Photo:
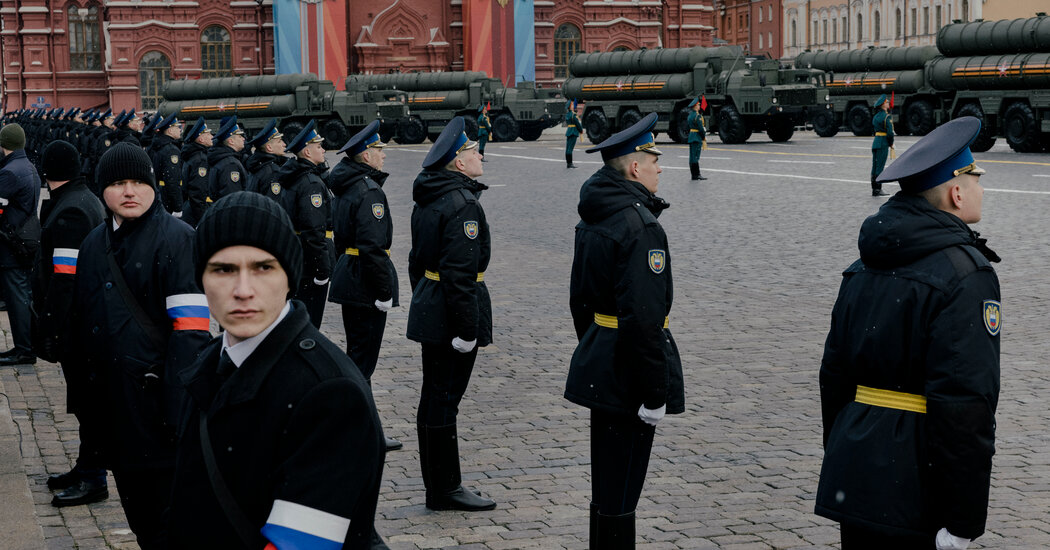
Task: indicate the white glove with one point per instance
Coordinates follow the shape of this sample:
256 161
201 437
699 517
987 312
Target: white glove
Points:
177 214
948 541
462 345
320 282
385 306
651 416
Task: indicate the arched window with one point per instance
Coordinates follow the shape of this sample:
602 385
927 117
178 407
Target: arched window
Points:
860 27
85 47
567 40
794 34
760 46
215 52
878 25
834 29
965 10
899 28
620 49
154 72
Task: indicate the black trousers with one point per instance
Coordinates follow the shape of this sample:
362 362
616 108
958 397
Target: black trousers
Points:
314 297
860 538
446 373
145 495
620 447
91 460
364 328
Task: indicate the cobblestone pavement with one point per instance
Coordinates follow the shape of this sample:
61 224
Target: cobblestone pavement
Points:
758 250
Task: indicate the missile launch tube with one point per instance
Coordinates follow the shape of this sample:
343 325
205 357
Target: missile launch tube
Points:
646 86
868 59
451 99
990 72
263 106
236 86
414 82
995 37
661 60
876 82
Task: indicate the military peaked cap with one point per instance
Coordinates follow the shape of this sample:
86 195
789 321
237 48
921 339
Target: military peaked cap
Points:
936 158
366 138
638 137
450 143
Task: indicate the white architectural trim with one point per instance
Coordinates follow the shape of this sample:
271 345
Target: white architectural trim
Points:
691 27
156 22
32 9
622 20
151 4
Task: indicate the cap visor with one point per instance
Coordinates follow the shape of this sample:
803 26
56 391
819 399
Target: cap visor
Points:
977 171
469 145
653 151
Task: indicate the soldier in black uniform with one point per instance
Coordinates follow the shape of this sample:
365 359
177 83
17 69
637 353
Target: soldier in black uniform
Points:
149 132
364 280
268 157
278 412
167 163
226 174
626 368
66 218
139 320
195 171
451 312
302 193
909 381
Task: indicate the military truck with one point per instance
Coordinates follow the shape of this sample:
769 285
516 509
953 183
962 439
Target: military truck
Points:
997 71
436 98
857 77
295 99
744 94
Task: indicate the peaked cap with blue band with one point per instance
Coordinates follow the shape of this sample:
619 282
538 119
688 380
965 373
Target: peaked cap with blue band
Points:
152 125
638 137
882 99
936 158
694 102
107 114
196 130
229 128
450 143
128 117
304 138
366 138
164 124
267 133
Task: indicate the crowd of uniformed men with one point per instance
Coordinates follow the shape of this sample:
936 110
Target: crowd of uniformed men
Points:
269 434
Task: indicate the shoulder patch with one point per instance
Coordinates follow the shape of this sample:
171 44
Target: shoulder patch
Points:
657 260
470 228
174 159
316 200
993 316
275 188
107 143
235 176
202 171
378 210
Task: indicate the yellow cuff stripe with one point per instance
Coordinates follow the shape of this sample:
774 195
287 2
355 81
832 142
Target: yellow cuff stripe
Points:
891 399
610 321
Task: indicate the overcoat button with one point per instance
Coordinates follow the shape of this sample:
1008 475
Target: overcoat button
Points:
307 343
109 286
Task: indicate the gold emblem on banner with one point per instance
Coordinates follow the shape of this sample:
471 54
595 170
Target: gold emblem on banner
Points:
503 3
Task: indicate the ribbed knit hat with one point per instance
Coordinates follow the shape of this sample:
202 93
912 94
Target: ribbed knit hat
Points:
125 161
249 219
12 137
60 161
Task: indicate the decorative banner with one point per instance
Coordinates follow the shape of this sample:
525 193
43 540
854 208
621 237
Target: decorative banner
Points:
310 36
484 22
524 40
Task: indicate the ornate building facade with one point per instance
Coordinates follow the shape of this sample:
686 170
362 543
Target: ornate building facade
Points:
753 24
842 25
119 53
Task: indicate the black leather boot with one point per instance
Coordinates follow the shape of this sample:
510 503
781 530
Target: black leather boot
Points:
694 169
84 492
616 532
444 488
60 482
568 161
876 189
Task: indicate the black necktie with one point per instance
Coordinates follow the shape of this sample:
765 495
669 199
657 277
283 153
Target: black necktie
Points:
225 367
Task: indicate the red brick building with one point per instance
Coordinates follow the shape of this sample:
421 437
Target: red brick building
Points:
118 54
427 35
757 25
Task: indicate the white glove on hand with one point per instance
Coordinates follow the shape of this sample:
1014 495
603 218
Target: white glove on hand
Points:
320 282
385 306
651 416
177 214
462 345
948 541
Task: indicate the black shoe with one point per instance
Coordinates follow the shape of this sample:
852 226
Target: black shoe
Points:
393 444
59 482
84 492
3 305
377 542
9 352
460 499
18 358
699 177
571 166
878 193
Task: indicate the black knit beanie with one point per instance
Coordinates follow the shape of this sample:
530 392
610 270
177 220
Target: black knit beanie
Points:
60 161
124 161
250 219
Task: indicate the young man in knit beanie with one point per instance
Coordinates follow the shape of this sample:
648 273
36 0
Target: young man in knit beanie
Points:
19 196
140 320
278 412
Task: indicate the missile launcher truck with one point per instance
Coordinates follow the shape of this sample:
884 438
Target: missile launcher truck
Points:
744 94
294 99
436 98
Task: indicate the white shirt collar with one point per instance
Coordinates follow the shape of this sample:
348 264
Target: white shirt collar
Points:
241 350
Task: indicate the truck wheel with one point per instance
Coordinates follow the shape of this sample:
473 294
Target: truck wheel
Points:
824 123
335 134
413 131
531 132
986 137
597 126
678 129
629 117
505 128
858 118
291 129
470 127
1022 129
918 118
780 128
731 127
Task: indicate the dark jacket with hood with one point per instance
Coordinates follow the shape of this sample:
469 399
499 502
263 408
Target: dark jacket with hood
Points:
303 194
19 195
194 181
226 174
364 232
262 171
450 242
139 368
917 314
167 165
622 269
